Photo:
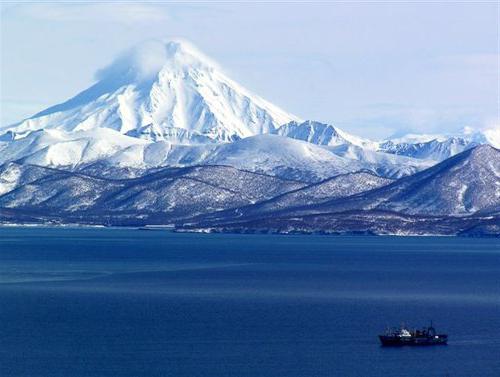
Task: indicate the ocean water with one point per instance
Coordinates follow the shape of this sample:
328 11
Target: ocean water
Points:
125 302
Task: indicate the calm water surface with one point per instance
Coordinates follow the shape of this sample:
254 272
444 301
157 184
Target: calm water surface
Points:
123 302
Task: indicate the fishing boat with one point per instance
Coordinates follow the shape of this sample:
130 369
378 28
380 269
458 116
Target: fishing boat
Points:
405 337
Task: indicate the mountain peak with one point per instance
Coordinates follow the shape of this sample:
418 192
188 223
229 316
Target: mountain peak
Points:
182 48
146 60
483 150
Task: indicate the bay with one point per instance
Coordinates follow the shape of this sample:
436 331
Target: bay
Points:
127 302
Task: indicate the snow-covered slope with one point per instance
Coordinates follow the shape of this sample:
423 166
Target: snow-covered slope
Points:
14 175
267 153
440 147
163 91
465 184
54 148
322 134
428 148
283 157
384 164
340 186
166 195
434 150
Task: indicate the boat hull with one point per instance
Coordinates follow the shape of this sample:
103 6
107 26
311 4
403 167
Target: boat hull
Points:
397 341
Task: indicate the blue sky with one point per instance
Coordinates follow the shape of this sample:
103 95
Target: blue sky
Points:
374 69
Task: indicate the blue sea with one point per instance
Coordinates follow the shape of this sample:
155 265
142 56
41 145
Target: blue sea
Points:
125 302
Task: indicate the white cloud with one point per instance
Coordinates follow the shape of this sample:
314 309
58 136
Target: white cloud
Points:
91 12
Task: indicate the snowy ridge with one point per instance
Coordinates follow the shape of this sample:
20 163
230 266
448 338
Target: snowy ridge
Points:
440 147
434 150
321 134
158 87
340 186
485 136
172 193
267 153
465 184
459 196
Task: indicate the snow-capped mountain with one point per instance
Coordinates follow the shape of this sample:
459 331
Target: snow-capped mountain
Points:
433 148
163 91
166 104
165 136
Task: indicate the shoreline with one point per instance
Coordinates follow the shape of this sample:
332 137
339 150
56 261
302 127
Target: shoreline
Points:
170 229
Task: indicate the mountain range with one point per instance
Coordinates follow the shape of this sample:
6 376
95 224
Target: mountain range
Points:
165 137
